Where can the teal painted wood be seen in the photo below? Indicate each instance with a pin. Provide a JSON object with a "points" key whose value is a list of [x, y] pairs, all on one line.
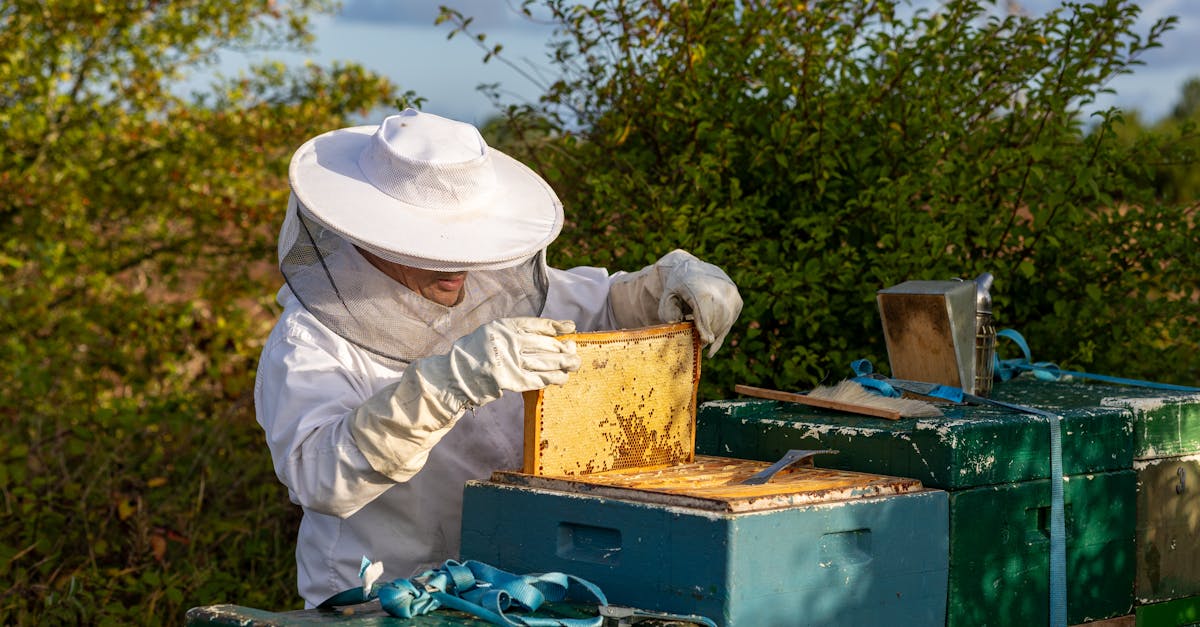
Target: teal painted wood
{"points": [[874, 561], [999, 551], [969, 446]]}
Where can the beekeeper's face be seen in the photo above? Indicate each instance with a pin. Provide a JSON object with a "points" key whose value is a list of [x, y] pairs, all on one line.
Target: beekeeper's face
{"points": [[444, 288]]}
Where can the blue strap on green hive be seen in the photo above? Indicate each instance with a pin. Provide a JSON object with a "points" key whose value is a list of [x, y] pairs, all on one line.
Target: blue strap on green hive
{"points": [[484, 591], [1058, 536], [1006, 369]]}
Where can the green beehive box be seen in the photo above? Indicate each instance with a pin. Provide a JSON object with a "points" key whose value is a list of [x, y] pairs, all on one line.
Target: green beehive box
{"points": [[970, 446], [1166, 451], [1000, 542], [996, 464], [1166, 424]]}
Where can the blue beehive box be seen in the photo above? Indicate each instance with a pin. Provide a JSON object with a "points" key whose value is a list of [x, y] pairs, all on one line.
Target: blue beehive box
{"points": [[847, 549]]}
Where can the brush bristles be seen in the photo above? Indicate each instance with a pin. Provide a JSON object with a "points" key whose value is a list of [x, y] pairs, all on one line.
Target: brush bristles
{"points": [[851, 392]]}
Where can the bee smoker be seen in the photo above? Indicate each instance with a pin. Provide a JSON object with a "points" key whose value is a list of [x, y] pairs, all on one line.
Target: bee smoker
{"points": [[985, 335], [941, 332]]}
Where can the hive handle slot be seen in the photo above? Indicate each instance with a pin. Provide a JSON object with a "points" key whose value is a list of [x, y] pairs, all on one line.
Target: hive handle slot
{"points": [[588, 543]]}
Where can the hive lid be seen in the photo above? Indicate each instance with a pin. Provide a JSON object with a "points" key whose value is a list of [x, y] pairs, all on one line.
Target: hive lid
{"points": [[631, 404], [716, 484]]}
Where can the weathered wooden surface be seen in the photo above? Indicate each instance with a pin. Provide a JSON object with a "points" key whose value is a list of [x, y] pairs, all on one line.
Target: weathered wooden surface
{"points": [[1168, 528], [1165, 424], [967, 447], [715, 484]]}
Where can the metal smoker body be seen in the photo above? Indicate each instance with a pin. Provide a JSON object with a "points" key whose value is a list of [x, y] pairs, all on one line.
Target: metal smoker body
{"points": [[940, 332]]}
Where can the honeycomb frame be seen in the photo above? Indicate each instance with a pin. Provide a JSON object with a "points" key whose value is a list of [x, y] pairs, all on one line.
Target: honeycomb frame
{"points": [[631, 404]]}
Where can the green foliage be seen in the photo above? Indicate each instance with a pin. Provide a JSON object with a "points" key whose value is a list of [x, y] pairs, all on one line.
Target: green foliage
{"points": [[817, 151], [136, 245], [1175, 180], [822, 151]]}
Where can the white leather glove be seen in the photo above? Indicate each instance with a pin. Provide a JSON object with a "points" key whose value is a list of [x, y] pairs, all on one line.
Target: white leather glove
{"points": [[676, 285], [396, 427], [514, 354]]}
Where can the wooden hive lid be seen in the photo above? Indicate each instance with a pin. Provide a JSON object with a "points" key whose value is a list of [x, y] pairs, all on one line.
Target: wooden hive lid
{"points": [[631, 404], [717, 484]]}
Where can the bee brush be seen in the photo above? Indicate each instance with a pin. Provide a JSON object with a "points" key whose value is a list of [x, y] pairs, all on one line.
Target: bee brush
{"points": [[850, 397]]}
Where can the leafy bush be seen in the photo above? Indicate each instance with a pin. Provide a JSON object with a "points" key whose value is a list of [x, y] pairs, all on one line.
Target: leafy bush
{"points": [[822, 151], [136, 246], [1176, 182], [818, 151]]}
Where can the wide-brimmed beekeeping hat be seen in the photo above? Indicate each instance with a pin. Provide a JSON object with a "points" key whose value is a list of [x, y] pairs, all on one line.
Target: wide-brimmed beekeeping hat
{"points": [[425, 191]]}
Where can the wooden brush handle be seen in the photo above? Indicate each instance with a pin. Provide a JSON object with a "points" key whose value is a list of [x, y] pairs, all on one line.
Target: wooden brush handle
{"points": [[792, 397]]}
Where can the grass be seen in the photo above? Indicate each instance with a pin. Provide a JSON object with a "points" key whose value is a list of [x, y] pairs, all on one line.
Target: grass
{"points": [[138, 516]]}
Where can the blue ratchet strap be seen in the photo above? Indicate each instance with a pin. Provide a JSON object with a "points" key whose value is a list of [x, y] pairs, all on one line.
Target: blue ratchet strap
{"points": [[864, 375], [478, 589], [1058, 536], [1006, 369]]}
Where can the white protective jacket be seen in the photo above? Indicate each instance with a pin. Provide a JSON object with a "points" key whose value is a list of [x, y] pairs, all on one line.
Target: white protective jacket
{"points": [[310, 381]]}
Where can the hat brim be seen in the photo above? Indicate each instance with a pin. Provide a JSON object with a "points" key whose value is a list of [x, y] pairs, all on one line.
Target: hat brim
{"points": [[521, 218]]}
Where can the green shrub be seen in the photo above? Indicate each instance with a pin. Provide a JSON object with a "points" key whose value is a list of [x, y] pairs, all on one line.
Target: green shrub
{"points": [[136, 253], [822, 151], [817, 151]]}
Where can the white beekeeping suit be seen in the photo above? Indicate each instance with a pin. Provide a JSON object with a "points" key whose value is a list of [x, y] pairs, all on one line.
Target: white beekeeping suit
{"points": [[377, 401]]}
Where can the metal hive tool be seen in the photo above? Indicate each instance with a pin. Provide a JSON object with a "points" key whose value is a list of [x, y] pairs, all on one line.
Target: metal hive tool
{"points": [[632, 404]]}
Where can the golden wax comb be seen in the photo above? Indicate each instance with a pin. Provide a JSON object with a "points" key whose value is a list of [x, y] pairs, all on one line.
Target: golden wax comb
{"points": [[631, 404]]}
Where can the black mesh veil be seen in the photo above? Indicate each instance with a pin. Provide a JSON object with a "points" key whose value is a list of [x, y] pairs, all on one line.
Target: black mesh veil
{"points": [[373, 311]]}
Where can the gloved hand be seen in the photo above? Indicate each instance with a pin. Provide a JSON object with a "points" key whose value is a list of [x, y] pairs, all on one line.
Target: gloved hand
{"points": [[396, 428], [515, 354], [676, 285]]}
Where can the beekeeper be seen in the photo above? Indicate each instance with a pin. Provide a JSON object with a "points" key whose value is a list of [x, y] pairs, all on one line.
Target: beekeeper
{"points": [[417, 295]]}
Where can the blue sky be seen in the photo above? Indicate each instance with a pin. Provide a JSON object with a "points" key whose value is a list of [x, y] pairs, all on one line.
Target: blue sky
{"points": [[398, 38]]}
